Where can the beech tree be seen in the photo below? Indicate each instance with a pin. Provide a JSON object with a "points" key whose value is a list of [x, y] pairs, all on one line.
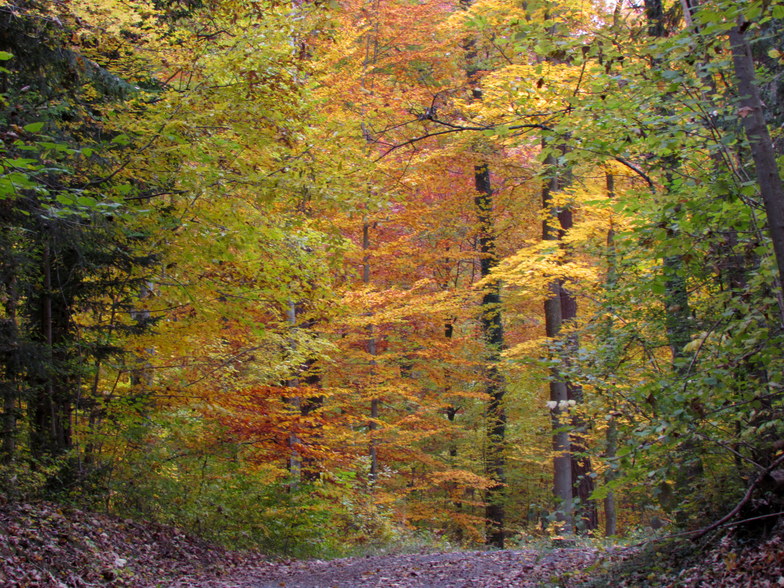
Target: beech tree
{"points": [[312, 267]]}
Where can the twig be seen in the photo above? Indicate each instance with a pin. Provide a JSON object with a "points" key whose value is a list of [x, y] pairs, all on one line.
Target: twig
{"points": [[767, 516]]}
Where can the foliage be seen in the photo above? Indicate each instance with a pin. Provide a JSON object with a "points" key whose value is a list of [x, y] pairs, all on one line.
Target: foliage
{"points": [[245, 263]]}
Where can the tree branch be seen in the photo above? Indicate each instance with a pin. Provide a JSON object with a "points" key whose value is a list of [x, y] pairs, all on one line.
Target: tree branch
{"points": [[746, 497]]}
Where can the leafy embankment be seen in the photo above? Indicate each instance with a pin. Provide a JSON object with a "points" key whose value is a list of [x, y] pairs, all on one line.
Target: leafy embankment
{"points": [[43, 544], [731, 558]]}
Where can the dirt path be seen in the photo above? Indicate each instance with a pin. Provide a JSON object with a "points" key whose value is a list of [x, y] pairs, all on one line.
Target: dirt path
{"points": [[474, 569]]}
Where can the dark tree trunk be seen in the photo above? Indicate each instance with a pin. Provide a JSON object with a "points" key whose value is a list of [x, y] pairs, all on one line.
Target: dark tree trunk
{"points": [[311, 404], [10, 360], [492, 326], [493, 334], [586, 513], [52, 403], [559, 391]]}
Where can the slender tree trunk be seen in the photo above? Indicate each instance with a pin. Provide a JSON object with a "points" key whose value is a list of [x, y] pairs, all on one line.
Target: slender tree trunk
{"points": [[611, 436], [492, 327], [142, 377], [51, 406], [10, 364], [586, 514], [610, 505], [310, 405], [678, 321], [493, 334], [559, 392], [372, 350], [295, 403], [10, 373], [762, 152], [451, 415]]}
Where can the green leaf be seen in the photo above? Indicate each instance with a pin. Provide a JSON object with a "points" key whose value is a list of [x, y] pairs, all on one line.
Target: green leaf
{"points": [[86, 201], [5, 55], [121, 140], [34, 127]]}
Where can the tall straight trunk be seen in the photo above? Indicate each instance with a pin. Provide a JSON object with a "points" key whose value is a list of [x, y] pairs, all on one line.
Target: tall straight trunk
{"points": [[451, 415], [582, 480], [310, 404], [610, 504], [372, 351], [11, 367], [142, 377], [493, 334], [295, 403], [559, 391], [574, 447], [677, 313], [492, 326], [370, 60], [9, 418], [51, 405], [676, 302], [611, 436], [10, 360], [762, 152]]}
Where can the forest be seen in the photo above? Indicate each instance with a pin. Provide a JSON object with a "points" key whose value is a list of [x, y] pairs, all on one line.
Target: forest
{"points": [[314, 275]]}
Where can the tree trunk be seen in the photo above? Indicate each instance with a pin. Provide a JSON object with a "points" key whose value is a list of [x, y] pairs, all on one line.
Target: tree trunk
{"points": [[559, 392], [493, 335], [372, 352], [610, 506], [492, 327], [611, 436], [586, 515], [51, 405], [762, 152], [295, 402], [451, 415], [310, 404], [10, 361]]}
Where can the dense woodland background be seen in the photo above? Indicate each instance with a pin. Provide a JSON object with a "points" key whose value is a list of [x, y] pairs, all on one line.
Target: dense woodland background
{"points": [[305, 276]]}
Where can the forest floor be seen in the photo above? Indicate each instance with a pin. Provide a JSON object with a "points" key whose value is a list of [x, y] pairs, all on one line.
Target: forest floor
{"points": [[45, 545]]}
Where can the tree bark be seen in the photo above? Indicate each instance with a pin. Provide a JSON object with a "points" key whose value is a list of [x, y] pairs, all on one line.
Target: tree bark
{"points": [[372, 350], [493, 334], [295, 459], [610, 505], [611, 436], [559, 392], [9, 337], [762, 152], [51, 405], [492, 327]]}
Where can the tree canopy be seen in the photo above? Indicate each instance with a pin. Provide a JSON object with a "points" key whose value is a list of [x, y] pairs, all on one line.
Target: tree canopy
{"points": [[308, 275]]}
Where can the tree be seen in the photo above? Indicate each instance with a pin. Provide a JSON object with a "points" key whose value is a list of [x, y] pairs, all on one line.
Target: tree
{"points": [[73, 261]]}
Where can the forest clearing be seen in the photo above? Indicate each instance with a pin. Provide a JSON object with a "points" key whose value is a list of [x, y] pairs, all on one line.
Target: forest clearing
{"points": [[489, 285]]}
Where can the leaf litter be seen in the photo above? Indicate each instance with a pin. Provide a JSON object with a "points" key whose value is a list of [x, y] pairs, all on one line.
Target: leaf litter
{"points": [[43, 545]]}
